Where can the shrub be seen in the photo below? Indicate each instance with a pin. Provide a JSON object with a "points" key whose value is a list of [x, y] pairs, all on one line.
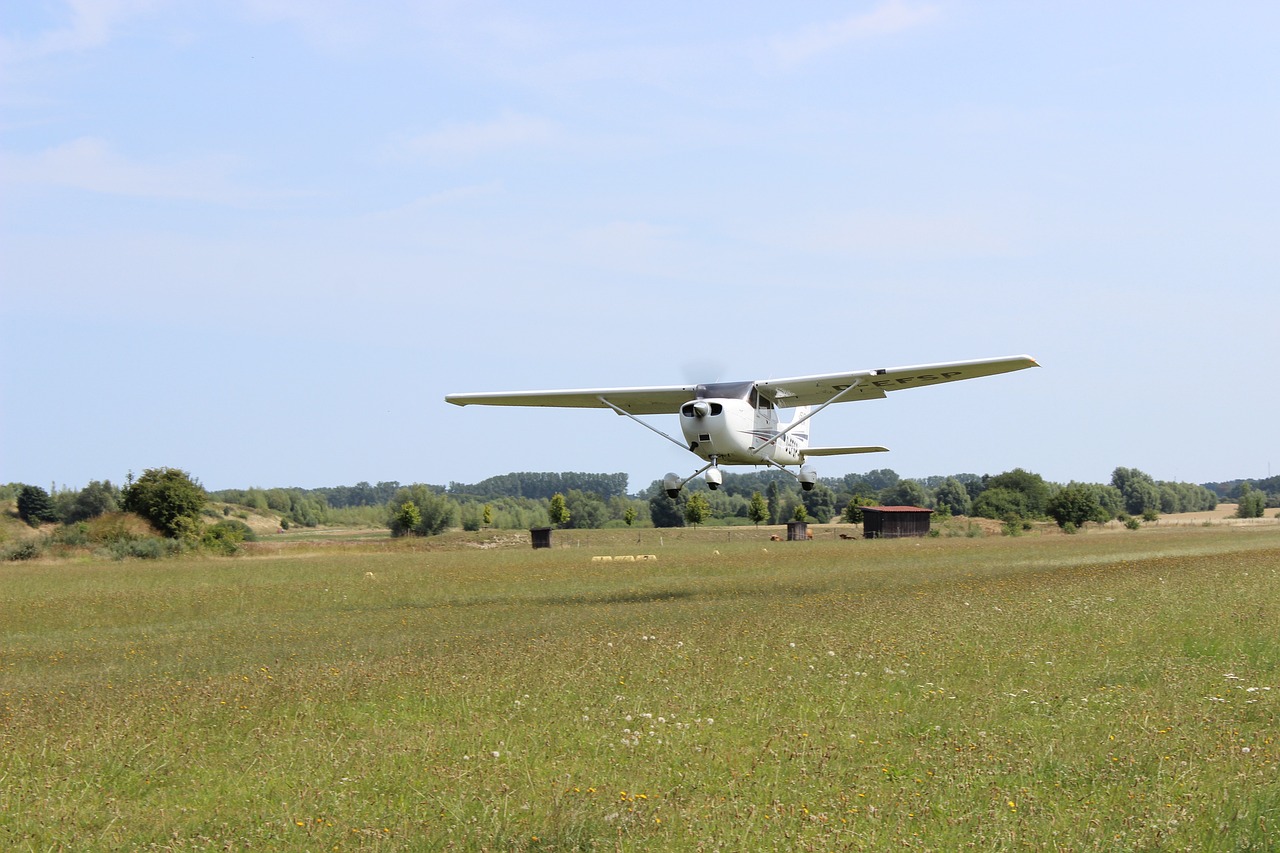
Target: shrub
{"points": [[226, 536], [1132, 523], [72, 534], [141, 549], [28, 550]]}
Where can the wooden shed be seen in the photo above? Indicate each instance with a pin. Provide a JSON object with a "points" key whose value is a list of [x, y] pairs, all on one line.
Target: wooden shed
{"points": [[894, 522], [797, 531]]}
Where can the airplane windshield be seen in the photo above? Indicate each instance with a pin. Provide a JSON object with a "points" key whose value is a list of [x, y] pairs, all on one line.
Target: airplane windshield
{"points": [[729, 390]]}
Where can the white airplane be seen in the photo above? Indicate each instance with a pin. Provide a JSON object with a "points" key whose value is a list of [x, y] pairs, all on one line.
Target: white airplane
{"points": [[736, 423]]}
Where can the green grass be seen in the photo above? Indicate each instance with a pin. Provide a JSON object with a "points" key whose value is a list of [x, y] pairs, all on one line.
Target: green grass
{"points": [[1111, 691]]}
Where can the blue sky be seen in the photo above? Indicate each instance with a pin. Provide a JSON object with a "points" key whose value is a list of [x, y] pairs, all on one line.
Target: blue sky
{"points": [[261, 240]]}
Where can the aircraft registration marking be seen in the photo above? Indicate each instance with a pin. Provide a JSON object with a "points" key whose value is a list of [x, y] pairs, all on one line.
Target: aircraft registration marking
{"points": [[919, 377]]}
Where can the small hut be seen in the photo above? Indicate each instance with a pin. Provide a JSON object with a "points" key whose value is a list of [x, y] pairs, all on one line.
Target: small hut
{"points": [[540, 536], [894, 522], [797, 531]]}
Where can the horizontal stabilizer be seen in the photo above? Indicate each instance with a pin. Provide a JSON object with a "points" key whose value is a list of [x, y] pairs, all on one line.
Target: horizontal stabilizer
{"points": [[840, 451]]}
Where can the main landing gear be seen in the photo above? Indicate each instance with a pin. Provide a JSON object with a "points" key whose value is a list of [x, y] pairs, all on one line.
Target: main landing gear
{"points": [[673, 483]]}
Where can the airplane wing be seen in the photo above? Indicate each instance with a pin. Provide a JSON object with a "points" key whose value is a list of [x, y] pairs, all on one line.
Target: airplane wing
{"points": [[841, 451], [874, 384], [795, 391], [652, 400]]}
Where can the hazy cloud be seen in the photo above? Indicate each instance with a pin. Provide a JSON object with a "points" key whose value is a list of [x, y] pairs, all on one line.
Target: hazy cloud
{"points": [[887, 18], [89, 24], [508, 131], [88, 163]]}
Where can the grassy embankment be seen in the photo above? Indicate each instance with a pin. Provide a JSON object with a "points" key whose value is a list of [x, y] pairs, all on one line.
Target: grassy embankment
{"points": [[1108, 691]]}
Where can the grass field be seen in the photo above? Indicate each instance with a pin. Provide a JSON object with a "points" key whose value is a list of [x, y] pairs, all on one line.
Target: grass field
{"points": [[1106, 691]]}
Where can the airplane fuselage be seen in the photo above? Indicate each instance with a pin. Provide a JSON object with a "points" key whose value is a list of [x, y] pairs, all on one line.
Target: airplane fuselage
{"points": [[732, 424]]}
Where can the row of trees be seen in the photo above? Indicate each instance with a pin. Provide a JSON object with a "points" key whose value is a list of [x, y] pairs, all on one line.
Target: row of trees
{"points": [[773, 497], [1234, 490], [173, 501]]}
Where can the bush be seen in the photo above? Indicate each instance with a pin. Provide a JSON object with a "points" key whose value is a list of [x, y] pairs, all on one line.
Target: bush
{"points": [[141, 549], [226, 536], [28, 550], [1132, 523], [72, 534]]}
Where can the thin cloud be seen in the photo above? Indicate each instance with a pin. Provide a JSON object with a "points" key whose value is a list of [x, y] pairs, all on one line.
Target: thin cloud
{"points": [[90, 24], [89, 164], [507, 132], [885, 235], [888, 18]]}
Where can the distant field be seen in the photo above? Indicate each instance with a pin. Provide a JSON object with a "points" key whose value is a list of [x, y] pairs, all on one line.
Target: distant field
{"points": [[1091, 692]]}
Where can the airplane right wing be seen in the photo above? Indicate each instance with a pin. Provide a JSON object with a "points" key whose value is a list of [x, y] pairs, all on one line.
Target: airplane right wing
{"points": [[652, 400]]}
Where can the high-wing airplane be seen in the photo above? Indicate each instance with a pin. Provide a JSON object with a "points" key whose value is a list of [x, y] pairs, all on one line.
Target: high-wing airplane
{"points": [[737, 423]]}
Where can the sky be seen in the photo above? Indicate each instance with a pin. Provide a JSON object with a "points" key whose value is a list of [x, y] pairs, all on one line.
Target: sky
{"points": [[260, 240]]}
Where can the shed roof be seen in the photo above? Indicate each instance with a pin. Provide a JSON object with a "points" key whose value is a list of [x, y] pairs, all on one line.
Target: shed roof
{"points": [[895, 509]]}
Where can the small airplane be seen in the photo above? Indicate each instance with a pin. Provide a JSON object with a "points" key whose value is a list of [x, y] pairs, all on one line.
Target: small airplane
{"points": [[737, 423]]}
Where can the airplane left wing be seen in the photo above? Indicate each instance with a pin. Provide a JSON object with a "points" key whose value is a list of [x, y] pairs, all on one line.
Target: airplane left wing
{"points": [[652, 400], [874, 384], [841, 451]]}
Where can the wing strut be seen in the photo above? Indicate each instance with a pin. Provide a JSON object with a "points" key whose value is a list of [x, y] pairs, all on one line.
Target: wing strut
{"points": [[799, 421], [647, 425]]}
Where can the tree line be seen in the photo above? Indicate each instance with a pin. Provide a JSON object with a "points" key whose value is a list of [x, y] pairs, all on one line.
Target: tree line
{"points": [[177, 506]]}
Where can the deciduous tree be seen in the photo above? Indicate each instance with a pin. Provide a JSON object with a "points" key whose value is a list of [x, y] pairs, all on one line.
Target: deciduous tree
{"points": [[406, 520], [168, 498], [1252, 502], [1075, 505], [94, 500], [558, 510], [954, 496]]}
